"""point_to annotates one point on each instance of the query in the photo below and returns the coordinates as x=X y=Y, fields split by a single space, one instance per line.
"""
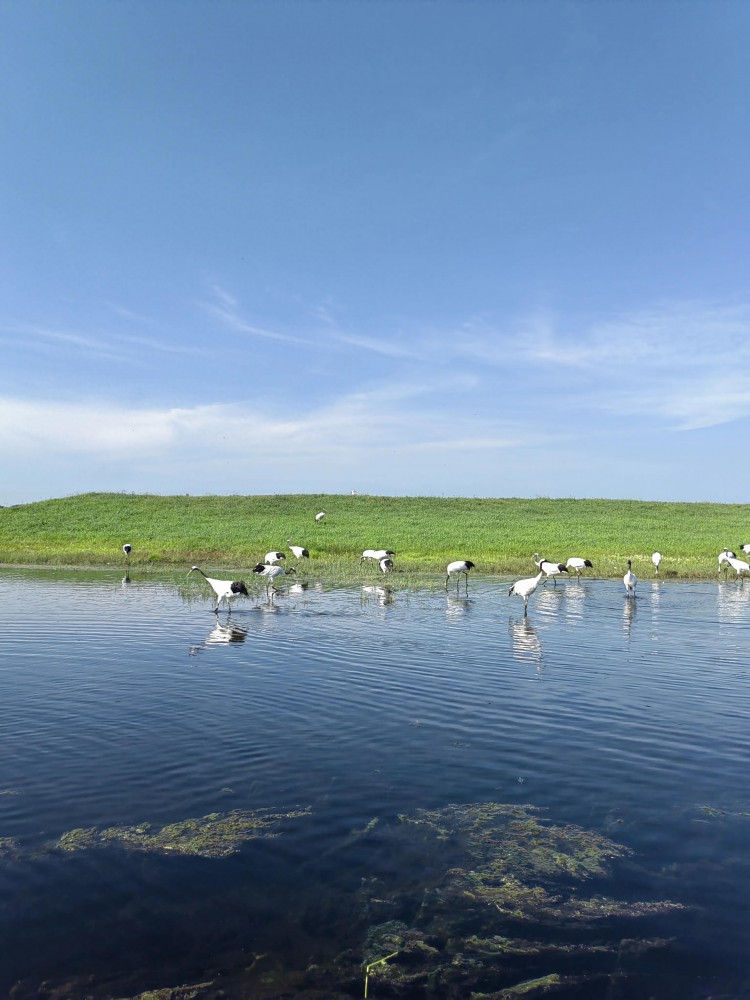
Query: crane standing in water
x=225 y=590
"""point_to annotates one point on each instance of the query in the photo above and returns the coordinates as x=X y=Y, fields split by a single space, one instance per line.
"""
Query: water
x=125 y=702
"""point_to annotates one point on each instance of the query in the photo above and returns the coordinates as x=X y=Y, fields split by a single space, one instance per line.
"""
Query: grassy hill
x=499 y=535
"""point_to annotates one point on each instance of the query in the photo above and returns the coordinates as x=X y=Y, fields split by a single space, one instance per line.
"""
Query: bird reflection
x=383 y=595
x=628 y=616
x=230 y=632
x=550 y=600
x=299 y=588
x=126 y=579
x=732 y=603
x=525 y=644
x=456 y=606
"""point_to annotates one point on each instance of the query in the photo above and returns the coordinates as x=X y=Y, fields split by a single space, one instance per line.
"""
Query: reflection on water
x=525 y=644
x=628 y=614
x=383 y=595
x=230 y=632
x=311 y=700
x=456 y=607
x=732 y=602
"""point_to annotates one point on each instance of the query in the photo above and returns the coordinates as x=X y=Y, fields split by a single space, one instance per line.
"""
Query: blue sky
x=453 y=248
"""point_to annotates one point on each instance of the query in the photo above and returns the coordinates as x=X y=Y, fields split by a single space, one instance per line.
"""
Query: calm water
x=126 y=702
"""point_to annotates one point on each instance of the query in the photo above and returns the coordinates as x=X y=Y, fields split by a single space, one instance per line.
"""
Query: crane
x=630 y=580
x=225 y=590
x=458 y=567
x=525 y=588
x=271 y=572
x=578 y=564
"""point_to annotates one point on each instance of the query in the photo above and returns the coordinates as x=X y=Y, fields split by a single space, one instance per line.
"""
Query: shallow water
x=128 y=701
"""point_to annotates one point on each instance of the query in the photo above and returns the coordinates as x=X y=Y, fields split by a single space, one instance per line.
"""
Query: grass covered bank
x=499 y=535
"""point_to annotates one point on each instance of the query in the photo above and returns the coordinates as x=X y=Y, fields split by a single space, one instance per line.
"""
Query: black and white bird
x=739 y=566
x=386 y=564
x=273 y=557
x=127 y=549
x=724 y=556
x=630 y=580
x=458 y=567
x=745 y=547
x=525 y=588
x=550 y=569
x=319 y=517
x=272 y=572
x=298 y=550
x=376 y=554
x=656 y=560
x=578 y=564
x=225 y=590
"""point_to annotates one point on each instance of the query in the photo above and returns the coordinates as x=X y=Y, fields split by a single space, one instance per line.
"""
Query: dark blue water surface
x=124 y=702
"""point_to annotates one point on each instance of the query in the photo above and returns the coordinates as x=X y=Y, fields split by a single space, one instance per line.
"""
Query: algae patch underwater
x=216 y=835
x=492 y=873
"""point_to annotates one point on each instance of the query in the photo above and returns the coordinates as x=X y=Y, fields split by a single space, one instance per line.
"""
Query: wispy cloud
x=391 y=418
x=688 y=404
x=225 y=308
x=111 y=346
x=675 y=335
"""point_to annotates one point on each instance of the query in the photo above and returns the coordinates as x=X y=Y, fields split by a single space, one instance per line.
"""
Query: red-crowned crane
x=298 y=550
x=525 y=588
x=271 y=572
x=739 y=566
x=630 y=580
x=386 y=564
x=724 y=556
x=550 y=569
x=273 y=557
x=319 y=517
x=127 y=549
x=656 y=560
x=376 y=554
x=225 y=590
x=578 y=564
x=458 y=567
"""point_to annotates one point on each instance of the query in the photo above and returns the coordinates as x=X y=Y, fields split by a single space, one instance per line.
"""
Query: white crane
x=298 y=550
x=739 y=566
x=745 y=547
x=319 y=517
x=724 y=556
x=630 y=580
x=376 y=554
x=127 y=549
x=458 y=567
x=656 y=560
x=525 y=588
x=271 y=572
x=225 y=590
x=386 y=564
x=578 y=564
x=550 y=569
x=273 y=557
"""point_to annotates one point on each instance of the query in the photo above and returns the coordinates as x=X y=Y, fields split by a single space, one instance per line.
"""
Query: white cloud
x=396 y=417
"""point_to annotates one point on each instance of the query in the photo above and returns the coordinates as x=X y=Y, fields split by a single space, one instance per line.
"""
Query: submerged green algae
x=486 y=901
x=490 y=870
x=217 y=835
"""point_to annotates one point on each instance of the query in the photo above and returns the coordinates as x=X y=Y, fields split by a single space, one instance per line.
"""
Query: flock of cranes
x=270 y=568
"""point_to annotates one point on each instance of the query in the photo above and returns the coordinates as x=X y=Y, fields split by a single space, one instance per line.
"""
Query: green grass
x=499 y=535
